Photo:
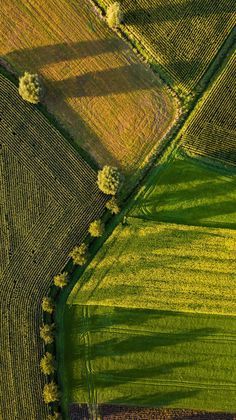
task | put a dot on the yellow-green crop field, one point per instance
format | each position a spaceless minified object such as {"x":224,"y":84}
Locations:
{"x":163,"y":266}
{"x":212,"y":129}
{"x":182,"y":35}
{"x":113,"y":106}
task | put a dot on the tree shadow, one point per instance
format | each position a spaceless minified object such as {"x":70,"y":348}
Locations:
{"x":55,"y":53}
{"x":187,"y":203}
{"x":107,"y":82}
{"x":174,"y":11}
{"x":158,"y":399}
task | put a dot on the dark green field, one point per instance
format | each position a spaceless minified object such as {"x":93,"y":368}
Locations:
{"x":149,"y":358}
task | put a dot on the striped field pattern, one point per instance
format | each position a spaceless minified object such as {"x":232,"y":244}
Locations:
{"x":112,"y":105}
{"x":48,"y":198}
{"x":182,"y":35}
{"x":147,"y":264}
{"x":149,"y":358}
{"x":212,"y":129}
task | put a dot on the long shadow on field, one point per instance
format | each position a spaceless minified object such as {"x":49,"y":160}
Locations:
{"x":158,"y":399}
{"x":55,"y":53}
{"x":181,"y":194}
{"x":144,"y":343}
{"x":172,"y":12}
{"x":101,"y":83}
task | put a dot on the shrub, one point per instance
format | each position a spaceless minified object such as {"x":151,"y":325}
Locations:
{"x":47,"y":364}
{"x":51,"y":392}
{"x":47,"y":333}
{"x":79,"y":254}
{"x":61,"y":280}
{"x":109,"y":180}
{"x":96,"y":228}
{"x":114,"y":15}
{"x":113,"y":206}
{"x":48,"y":305}
{"x":55,"y":416}
{"x":30,"y":88}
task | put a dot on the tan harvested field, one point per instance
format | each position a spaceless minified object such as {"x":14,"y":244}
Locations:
{"x":48,"y":197}
{"x":112,"y":105}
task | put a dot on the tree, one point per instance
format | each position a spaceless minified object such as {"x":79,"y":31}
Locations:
{"x":96,"y":228}
{"x":109,"y":180}
{"x":47,"y":364}
{"x":79,"y":254}
{"x":48,"y":305}
{"x":114,"y":15}
{"x":51,"y":392}
{"x":61,"y":280}
{"x":113,"y":206}
{"x":47,"y":333}
{"x":30,"y":88}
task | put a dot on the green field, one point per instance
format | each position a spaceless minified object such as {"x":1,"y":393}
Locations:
{"x":190,"y":192}
{"x":211,"y":132}
{"x":174,"y":252}
{"x":182,"y":35}
{"x":149,"y":358}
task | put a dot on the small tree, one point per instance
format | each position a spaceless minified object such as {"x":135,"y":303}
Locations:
{"x":47,"y":364}
{"x":61,"y":280}
{"x":48,"y":305}
{"x":114,"y":15}
{"x":109,"y":180}
{"x":30,"y":88}
{"x":96,"y":228}
{"x":79,"y":254}
{"x":113,"y":206}
{"x":47,"y":333}
{"x":51,"y":392}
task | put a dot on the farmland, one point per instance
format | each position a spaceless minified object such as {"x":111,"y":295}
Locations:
{"x":45,"y":191}
{"x":212,"y":129}
{"x":145,"y":265}
{"x":131,"y":290}
{"x":149,"y":358}
{"x":183,"y":35}
{"x":112,"y":105}
{"x":190,"y":192}
{"x":175,"y":252}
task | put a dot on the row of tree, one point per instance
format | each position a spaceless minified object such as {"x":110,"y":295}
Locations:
{"x":109,"y":182}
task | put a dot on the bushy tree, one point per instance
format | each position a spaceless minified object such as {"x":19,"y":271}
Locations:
{"x":61,"y":280}
{"x":79,"y":254}
{"x":30,"y":88}
{"x":109,"y":180}
{"x":96,"y":228}
{"x":51,"y":392}
{"x":48,"y":305}
{"x":47,"y":333}
{"x":54,"y":416}
{"x":113,"y":206}
{"x":47,"y":364}
{"x":114,"y":15}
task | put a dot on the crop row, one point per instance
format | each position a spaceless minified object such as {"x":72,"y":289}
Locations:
{"x":183,"y":37}
{"x":211,"y":131}
{"x":50,"y":197}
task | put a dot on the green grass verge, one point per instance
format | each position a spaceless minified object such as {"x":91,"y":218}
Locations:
{"x":149,"y":358}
